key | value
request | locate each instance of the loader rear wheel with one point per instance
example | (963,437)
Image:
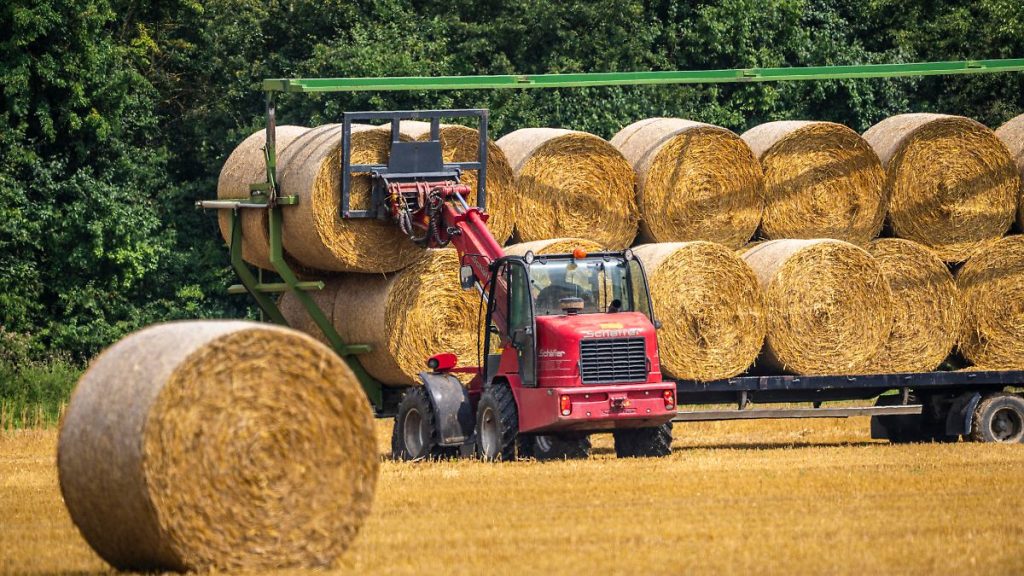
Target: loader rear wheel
(999,418)
(644,442)
(497,424)
(556,447)
(414,436)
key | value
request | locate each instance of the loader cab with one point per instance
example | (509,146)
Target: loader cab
(563,289)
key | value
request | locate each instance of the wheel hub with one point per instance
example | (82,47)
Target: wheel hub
(489,432)
(1007,425)
(414,433)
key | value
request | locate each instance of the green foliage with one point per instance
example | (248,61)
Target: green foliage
(32,391)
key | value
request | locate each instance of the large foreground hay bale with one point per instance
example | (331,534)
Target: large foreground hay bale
(571,184)
(710,306)
(459,144)
(694,181)
(821,180)
(297,315)
(218,445)
(926,307)
(828,307)
(951,183)
(246,165)
(1011,135)
(409,316)
(313,231)
(992,289)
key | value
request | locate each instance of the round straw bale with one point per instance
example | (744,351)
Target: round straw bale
(951,183)
(1012,136)
(297,315)
(247,165)
(743,249)
(313,231)
(553,246)
(409,316)
(710,306)
(220,445)
(694,181)
(821,180)
(926,307)
(459,144)
(571,184)
(828,307)
(991,284)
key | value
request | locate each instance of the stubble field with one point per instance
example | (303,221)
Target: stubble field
(734,497)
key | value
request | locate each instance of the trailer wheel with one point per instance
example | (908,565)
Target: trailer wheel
(907,428)
(555,447)
(414,436)
(643,442)
(497,424)
(999,418)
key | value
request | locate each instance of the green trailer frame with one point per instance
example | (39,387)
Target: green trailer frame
(266,196)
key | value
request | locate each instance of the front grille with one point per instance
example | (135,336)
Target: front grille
(612,360)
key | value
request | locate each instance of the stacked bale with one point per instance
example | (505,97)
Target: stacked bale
(460,144)
(192,446)
(710,306)
(951,183)
(247,165)
(409,316)
(694,181)
(821,180)
(992,287)
(553,246)
(298,317)
(313,232)
(926,307)
(1011,135)
(828,307)
(571,184)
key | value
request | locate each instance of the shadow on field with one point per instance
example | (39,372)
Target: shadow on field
(757,446)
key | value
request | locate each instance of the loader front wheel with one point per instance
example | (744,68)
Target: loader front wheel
(497,424)
(414,436)
(644,442)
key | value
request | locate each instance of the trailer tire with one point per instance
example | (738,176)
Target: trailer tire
(653,442)
(999,418)
(497,424)
(414,435)
(555,447)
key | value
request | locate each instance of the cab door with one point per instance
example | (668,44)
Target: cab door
(522,329)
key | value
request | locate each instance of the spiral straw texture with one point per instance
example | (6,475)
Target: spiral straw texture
(992,287)
(313,231)
(246,165)
(459,144)
(829,308)
(952,185)
(409,316)
(821,180)
(694,181)
(571,184)
(1011,135)
(926,307)
(218,445)
(710,306)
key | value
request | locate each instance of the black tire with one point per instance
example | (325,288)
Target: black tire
(497,424)
(555,447)
(999,418)
(414,436)
(644,442)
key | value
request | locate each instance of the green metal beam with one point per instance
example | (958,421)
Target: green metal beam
(640,78)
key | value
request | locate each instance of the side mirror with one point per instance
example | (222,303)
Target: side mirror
(466,277)
(657,324)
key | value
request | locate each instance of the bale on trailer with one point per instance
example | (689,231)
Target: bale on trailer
(821,180)
(313,231)
(408,316)
(828,307)
(553,246)
(710,306)
(1011,135)
(297,315)
(951,183)
(694,181)
(247,165)
(992,290)
(460,144)
(926,307)
(222,445)
(571,184)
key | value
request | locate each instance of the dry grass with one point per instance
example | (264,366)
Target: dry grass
(734,497)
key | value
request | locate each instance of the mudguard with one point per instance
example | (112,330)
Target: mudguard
(453,414)
(960,418)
